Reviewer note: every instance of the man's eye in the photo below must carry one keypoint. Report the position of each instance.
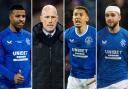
(112, 15)
(106, 15)
(81, 14)
(23, 16)
(75, 14)
(47, 17)
(53, 17)
(17, 16)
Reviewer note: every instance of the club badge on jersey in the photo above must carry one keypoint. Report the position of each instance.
(88, 40)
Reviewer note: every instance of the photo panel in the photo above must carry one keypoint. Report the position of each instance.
(112, 44)
(47, 30)
(15, 44)
(80, 44)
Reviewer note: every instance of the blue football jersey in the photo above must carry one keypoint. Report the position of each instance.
(112, 62)
(82, 52)
(15, 54)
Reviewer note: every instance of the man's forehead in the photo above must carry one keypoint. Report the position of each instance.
(49, 13)
(49, 10)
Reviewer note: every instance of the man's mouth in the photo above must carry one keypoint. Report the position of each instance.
(50, 25)
(78, 22)
(21, 23)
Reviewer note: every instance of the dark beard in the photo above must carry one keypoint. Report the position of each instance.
(112, 27)
(18, 29)
(78, 27)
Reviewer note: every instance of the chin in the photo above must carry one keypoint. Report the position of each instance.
(78, 26)
(110, 26)
(50, 30)
(19, 27)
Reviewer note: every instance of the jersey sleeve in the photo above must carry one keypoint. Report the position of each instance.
(3, 70)
(66, 42)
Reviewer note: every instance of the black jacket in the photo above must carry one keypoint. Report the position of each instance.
(47, 59)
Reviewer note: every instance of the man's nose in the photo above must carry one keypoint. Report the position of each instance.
(50, 19)
(22, 18)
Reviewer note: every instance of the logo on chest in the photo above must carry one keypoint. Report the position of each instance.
(71, 40)
(88, 40)
(104, 42)
(123, 42)
(28, 41)
(9, 42)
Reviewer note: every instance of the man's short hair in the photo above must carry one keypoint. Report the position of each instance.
(16, 7)
(83, 8)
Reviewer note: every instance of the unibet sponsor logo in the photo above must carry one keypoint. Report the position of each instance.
(81, 53)
(20, 55)
(113, 54)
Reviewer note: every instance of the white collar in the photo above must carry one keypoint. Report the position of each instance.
(47, 33)
(83, 32)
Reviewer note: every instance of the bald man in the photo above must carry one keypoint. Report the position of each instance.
(48, 51)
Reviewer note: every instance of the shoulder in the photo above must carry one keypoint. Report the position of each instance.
(102, 33)
(5, 33)
(69, 31)
(59, 27)
(92, 28)
(124, 32)
(25, 32)
(38, 25)
(59, 32)
(37, 28)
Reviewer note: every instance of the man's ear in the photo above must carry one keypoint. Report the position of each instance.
(87, 19)
(119, 17)
(10, 17)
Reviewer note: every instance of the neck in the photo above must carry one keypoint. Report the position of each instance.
(114, 29)
(13, 29)
(81, 30)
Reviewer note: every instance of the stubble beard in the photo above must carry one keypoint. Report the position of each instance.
(113, 26)
(18, 29)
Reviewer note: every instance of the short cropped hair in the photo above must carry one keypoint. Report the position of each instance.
(83, 8)
(16, 7)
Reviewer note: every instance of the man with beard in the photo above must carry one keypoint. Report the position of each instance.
(15, 52)
(112, 72)
(80, 41)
